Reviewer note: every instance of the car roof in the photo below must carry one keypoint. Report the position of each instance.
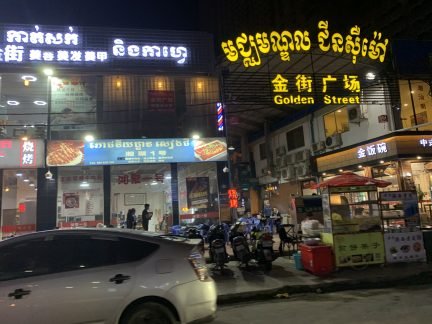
(152, 237)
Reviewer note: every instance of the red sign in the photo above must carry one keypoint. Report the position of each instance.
(233, 198)
(159, 100)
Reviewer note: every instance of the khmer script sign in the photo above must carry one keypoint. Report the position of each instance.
(70, 45)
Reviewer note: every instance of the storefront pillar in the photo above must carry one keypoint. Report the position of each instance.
(107, 194)
(46, 207)
(174, 194)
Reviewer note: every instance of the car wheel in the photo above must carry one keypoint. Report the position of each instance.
(148, 313)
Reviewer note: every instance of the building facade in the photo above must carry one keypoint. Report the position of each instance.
(94, 122)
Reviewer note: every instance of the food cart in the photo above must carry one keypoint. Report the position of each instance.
(352, 219)
(403, 238)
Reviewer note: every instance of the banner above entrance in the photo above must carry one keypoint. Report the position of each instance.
(135, 151)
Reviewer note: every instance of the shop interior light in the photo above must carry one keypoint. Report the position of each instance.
(27, 79)
(118, 84)
(340, 170)
(381, 161)
(31, 184)
(48, 72)
(6, 189)
(160, 85)
(359, 166)
(419, 157)
(39, 102)
(370, 76)
(199, 85)
(195, 136)
(26, 180)
(324, 174)
(13, 102)
(89, 138)
(153, 183)
(168, 177)
(412, 91)
(18, 174)
(84, 184)
(231, 148)
(24, 138)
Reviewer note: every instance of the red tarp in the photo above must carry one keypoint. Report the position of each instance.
(351, 179)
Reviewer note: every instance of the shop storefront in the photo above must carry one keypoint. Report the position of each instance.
(61, 84)
(20, 160)
(99, 181)
(403, 159)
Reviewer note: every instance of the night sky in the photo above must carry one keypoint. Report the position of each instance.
(159, 14)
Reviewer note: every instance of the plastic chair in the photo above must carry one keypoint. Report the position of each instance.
(288, 237)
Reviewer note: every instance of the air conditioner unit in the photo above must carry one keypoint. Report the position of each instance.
(302, 169)
(302, 156)
(281, 150)
(354, 114)
(288, 159)
(333, 141)
(319, 146)
(290, 172)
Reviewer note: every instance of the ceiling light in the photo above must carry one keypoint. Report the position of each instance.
(153, 183)
(39, 102)
(419, 157)
(168, 177)
(381, 161)
(340, 170)
(12, 102)
(339, 110)
(370, 76)
(29, 78)
(412, 91)
(6, 189)
(26, 180)
(19, 174)
(231, 148)
(405, 105)
(89, 138)
(324, 174)
(48, 72)
(84, 184)
(195, 136)
(24, 138)
(359, 167)
(31, 184)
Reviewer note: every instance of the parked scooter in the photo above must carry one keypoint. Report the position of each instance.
(263, 248)
(194, 233)
(239, 243)
(217, 249)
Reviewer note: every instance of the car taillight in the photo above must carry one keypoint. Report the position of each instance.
(198, 264)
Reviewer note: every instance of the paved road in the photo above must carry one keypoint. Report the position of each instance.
(402, 305)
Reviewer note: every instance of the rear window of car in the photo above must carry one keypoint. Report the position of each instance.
(61, 253)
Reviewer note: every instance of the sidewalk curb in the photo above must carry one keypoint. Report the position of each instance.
(325, 287)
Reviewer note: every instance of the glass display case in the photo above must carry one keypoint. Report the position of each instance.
(352, 209)
(352, 225)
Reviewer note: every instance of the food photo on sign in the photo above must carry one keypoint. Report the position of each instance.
(65, 153)
(214, 150)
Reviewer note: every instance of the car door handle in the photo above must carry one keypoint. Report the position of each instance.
(119, 278)
(18, 293)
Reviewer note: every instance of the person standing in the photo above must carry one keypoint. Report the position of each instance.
(146, 216)
(130, 218)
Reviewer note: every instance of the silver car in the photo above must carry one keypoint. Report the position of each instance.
(103, 276)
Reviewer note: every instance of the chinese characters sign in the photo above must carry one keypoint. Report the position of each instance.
(24, 154)
(249, 48)
(70, 45)
(426, 142)
(233, 198)
(358, 249)
(159, 100)
(372, 150)
(306, 93)
(135, 151)
(404, 247)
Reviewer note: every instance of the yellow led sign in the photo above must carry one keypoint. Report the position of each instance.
(250, 47)
(304, 84)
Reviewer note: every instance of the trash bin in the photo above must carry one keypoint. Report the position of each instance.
(298, 261)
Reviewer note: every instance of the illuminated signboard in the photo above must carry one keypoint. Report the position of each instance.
(249, 48)
(70, 45)
(426, 142)
(220, 116)
(16, 153)
(135, 151)
(371, 150)
(304, 94)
